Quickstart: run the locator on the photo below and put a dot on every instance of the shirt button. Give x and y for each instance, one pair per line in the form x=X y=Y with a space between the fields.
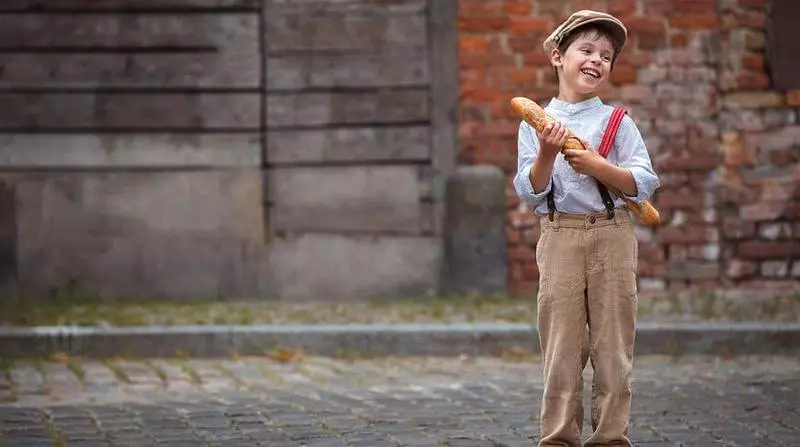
x=592 y=219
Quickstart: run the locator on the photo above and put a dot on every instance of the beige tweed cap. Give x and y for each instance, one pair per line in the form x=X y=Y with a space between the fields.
x=581 y=18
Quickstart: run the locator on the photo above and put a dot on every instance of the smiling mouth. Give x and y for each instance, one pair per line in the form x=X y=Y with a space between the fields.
x=591 y=72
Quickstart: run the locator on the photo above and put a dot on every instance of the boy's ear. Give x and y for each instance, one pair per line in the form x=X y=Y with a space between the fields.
x=556 y=58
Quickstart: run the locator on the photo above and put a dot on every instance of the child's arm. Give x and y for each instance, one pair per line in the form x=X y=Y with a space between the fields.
x=634 y=176
x=633 y=156
x=534 y=173
x=635 y=161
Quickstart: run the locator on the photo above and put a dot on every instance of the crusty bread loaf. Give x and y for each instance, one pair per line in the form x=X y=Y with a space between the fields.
x=534 y=115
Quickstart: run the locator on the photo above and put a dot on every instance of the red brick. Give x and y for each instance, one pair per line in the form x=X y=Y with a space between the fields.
x=526 y=43
x=736 y=153
x=530 y=271
x=793 y=98
x=473 y=43
x=621 y=7
x=644 y=24
x=734 y=228
x=689 y=163
x=753 y=100
x=531 y=235
x=694 y=6
x=512 y=201
x=555 y=7
x=755 y=81
x=651 y=41
x=536 y=58
x=624 y=74
x=636 y=58
x=521 y=219
x=515 y=271
x=481 y=61
x=483 y=24
x=679 y=200
x=755 y=4
x=767 y=250
x=695 y=21
x=679 y=40
x=753 y=61
x=527 y=25
x=737 y=269
x=687 y=235
x=763 y=211
x=754 y=19
x=755 y=41
x=783 y=157
x=659 y=7
x=479 y=9
x=522 y=78
x=522 y=288
x=518 y=7
x=671 y=179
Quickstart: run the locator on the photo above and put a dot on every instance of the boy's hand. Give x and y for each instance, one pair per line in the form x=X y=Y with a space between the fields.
x=587 y=162
x=552 y=138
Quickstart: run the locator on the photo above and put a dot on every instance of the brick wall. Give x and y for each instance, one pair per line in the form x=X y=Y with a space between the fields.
x=694 y=79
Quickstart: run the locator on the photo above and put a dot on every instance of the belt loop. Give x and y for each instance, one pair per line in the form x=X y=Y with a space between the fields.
x=555 y=220
x=616 y=218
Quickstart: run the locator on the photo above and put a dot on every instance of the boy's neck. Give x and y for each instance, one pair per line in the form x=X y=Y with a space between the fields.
x=574 y=98
x=567 y=94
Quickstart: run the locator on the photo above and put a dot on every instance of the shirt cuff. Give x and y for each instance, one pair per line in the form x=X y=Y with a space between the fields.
x=645 y=184
x=527 y=187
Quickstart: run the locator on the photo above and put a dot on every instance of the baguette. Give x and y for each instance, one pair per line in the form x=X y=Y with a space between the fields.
x=534 y=115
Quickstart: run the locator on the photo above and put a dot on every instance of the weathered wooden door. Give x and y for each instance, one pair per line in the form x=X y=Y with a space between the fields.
x=227 y=147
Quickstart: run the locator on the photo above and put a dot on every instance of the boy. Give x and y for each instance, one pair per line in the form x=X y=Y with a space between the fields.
x=587 y=251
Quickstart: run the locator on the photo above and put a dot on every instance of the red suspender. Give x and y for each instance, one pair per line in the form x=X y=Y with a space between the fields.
x=611 y=131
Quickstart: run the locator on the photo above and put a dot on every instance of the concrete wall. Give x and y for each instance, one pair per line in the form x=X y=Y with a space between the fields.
x=233 y=148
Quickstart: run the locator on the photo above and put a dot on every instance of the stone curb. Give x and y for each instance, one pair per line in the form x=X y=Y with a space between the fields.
x=377 y=340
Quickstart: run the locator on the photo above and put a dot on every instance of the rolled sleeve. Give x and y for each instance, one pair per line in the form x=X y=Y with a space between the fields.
x=527 y=150
x=633 y=156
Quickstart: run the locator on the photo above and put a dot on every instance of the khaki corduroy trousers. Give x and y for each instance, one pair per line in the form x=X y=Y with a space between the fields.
x=587 y=266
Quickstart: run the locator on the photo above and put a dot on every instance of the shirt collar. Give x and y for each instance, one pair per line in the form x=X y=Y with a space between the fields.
x=573 y=108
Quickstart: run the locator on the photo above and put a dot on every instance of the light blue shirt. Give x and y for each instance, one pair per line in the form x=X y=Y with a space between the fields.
x=577 y=193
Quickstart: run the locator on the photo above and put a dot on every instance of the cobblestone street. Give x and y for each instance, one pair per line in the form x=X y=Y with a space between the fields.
x=388 y=402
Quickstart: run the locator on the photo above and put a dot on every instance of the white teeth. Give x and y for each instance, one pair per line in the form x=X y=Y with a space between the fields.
x=590 y=72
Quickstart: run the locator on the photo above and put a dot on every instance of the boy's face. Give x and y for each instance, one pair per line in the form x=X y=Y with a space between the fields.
x=586 y=64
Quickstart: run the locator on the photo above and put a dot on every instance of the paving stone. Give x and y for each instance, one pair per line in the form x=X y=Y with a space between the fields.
x=412 y=402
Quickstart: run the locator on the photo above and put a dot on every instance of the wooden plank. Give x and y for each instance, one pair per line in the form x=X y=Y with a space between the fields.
x=155 y=233
x=211 y=31
x=400 y=66
x=335 y=108
x=199 y=50
x=373 y=7
x=126 y=5
x=33 y=151
x=343 y=32
x=349 y=145
x=346 y=198
x=121 y=111
x=347 y=267
x=52 y=71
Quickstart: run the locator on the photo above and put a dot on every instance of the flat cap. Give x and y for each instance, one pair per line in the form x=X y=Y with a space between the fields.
x=584 y=17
